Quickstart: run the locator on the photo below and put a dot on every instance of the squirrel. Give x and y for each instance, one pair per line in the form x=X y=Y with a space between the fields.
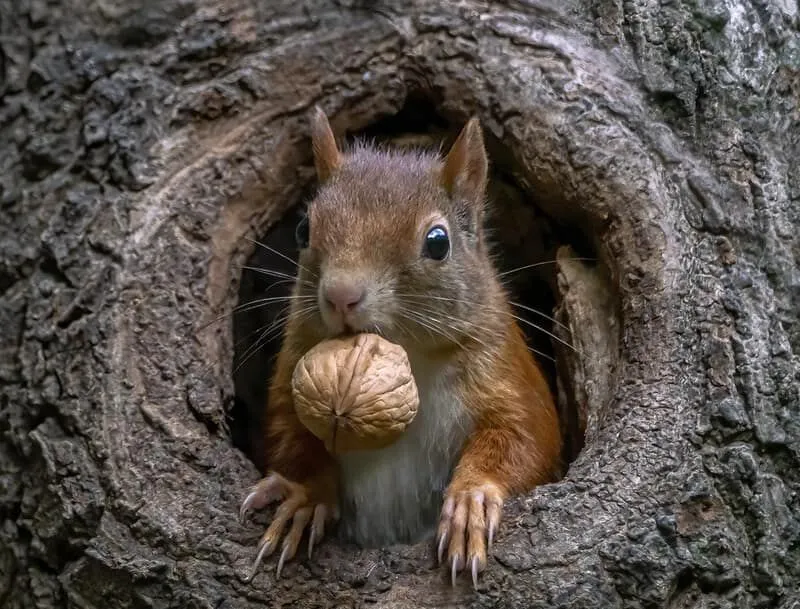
x=393 y=243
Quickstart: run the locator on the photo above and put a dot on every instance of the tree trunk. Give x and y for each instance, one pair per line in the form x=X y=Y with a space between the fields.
x=145 y=143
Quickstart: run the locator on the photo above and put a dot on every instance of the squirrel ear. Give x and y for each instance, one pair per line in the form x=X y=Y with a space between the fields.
x=466 y=167
x=326 y=155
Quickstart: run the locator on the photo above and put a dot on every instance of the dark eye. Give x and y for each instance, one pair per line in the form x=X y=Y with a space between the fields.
x=301 y=233
x=437 y=243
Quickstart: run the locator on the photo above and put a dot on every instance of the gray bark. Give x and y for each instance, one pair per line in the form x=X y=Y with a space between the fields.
x=143 y=143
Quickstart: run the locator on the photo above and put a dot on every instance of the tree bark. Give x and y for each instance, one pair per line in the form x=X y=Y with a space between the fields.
x=144 y=143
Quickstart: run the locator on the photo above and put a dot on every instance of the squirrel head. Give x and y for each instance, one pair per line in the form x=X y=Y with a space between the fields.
x=393 y=241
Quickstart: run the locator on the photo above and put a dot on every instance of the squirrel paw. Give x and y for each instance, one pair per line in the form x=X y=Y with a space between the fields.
x=297 y=506
x=469 y=519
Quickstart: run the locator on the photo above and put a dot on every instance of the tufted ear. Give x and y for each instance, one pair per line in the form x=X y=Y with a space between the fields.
x=326 y=154
x=466 y=167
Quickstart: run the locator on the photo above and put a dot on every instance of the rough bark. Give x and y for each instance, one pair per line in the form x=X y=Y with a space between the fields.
x=144 y=142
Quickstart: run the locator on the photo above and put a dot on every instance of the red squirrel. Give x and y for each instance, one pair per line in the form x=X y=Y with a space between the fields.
x=393 y=243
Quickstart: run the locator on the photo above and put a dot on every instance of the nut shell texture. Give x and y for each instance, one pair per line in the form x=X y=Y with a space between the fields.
x=355 y=393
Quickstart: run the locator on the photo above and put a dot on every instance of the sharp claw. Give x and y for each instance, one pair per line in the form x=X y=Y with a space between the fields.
x=453 y=572
x=263 y=493
x=491 y=536
x=262 y=548
x=311 y=535
x=281 y=560
x=244 y=510
x=475 y=572
x=440 y=551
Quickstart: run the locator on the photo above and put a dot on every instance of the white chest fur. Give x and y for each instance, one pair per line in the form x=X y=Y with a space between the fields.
x=394 y=495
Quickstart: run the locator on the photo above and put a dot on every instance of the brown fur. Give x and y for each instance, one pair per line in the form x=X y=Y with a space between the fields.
x=516 y=443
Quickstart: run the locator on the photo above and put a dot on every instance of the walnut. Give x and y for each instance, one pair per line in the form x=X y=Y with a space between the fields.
x=355 y=393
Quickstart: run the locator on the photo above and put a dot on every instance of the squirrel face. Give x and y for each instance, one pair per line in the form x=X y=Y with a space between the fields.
x=393 y=243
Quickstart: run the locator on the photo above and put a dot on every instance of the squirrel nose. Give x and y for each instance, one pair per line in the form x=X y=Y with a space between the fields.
x=344 y=297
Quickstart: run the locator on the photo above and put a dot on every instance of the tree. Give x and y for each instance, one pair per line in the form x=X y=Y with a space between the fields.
x=145 y=142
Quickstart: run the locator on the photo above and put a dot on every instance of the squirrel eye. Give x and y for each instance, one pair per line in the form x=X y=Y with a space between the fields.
x=437 y=243
x=301 y=233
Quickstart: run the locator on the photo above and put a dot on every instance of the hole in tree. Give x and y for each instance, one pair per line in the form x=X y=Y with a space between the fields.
x=524 y=242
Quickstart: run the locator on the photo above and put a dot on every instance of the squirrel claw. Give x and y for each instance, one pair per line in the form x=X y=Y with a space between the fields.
x=262 y=550
x=440 y=551
x=469 y=519
x=454 y=570
x=281 y=560
x=265 y=491
x=296 y=508
x=311 y=535
x=318 y=526
x=443 y=534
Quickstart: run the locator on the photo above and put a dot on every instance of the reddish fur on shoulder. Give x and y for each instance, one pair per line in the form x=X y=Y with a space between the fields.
x=516 y=443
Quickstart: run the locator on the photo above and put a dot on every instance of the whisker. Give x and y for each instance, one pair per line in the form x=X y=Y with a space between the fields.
x=281 y=313
x=443 y=318
x=476 y=339
x=538 y=327
x=253 y=304
x=541 y=314
x=404 y=314
x=262 y=340
x=299 y=315
x=403 y=330
x=270 y=327
x=435 y=330
x=306 y=312
x=266 y=271
x=517 y=317
x=273 y=273
x=284 y=256
x=541 y=353
x=436 y=316
x=432 y=329
x=271 y=299
x=274 y=284
x=529 y=309
x=420 y=322
x=530 y=266
x=238 y=343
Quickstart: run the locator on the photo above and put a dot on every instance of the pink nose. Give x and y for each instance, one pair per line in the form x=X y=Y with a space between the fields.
x=344 y=296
